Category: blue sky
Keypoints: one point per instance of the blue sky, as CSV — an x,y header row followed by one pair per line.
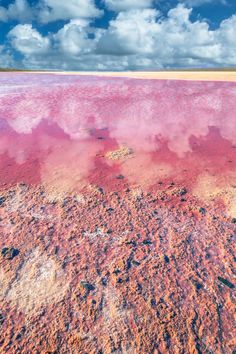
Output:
x,y
117,34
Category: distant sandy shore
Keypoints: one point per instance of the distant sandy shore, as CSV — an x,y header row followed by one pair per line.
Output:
x,y
158,75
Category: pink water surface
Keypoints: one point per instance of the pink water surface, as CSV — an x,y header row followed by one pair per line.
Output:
x,y
61,126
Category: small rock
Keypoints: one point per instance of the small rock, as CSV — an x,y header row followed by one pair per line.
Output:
x,y
21,333
135,263
182,191
67,326
120,177
202,211
2,319
147,242
2,200
117,271
226,282
198,286
109,210
101,190
166,259
87,286
129,264
153,303
10,252
104,281
132,243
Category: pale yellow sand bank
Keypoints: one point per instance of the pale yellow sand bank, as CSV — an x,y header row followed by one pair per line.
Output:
x,y
162,75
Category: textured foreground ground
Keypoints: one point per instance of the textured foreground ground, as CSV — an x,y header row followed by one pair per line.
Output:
x,y
117,216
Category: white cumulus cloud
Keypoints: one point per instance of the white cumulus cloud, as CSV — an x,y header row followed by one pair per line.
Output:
x,y
138,39
6,59
28,41
131,32
74,38
53,10
18,10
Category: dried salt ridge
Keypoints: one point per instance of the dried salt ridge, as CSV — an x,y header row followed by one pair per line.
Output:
x,y
117,217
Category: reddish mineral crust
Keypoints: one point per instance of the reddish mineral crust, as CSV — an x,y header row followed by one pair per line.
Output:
x,y
117,215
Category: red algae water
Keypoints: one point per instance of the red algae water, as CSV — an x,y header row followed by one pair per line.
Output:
x,y
117,215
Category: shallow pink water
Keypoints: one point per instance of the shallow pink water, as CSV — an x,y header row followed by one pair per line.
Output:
x,y
56,126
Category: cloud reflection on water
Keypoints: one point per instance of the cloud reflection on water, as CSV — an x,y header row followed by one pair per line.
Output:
x,y
52,117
